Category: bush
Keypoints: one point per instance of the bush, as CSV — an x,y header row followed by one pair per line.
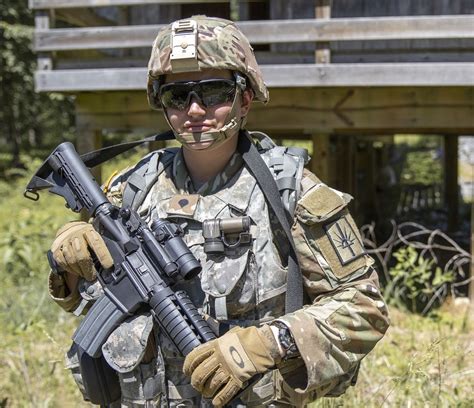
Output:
x,y
416,281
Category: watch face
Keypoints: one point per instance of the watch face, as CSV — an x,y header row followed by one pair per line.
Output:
x,y
286,340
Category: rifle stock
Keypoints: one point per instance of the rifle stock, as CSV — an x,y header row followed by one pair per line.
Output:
x,y
147,263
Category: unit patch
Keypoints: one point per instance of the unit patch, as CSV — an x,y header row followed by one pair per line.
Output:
x,y
183,205
344,240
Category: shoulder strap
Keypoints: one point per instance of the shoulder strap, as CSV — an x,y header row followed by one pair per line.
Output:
x,y
286,165
280,220
144,176
96,157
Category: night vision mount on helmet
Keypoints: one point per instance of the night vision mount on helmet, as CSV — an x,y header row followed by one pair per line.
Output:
x,y
201,43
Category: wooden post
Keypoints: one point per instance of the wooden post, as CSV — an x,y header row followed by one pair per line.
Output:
x,y
471,283
364,181
320,157
323,50
43,22
451,188
347,163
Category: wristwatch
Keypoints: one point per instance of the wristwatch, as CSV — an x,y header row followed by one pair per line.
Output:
x,y
286,340
54,265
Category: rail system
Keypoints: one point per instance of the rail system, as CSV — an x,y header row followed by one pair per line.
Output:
x,y
60,70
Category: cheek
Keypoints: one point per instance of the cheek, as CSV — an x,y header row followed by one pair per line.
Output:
x,y
175,117
220,112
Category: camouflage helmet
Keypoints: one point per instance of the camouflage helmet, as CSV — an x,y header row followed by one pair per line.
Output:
x,y
202,42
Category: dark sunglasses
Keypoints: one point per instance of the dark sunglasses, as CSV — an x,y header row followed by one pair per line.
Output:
x,y
208,92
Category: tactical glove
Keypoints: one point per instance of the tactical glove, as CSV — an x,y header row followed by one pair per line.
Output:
x,y
221,367
73,246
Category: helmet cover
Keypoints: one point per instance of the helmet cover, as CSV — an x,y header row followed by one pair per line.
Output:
x,y
199,43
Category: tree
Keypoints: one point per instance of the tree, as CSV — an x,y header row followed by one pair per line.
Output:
x,y
28,119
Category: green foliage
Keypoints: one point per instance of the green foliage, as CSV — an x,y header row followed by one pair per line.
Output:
x,y
422,164
421,362
422,168
27,119
35,332
415,280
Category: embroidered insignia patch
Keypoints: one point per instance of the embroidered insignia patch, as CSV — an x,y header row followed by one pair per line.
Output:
x,y
344,240
183,204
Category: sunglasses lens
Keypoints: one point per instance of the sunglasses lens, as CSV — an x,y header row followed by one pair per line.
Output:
x,y
174,96
209,92
216,92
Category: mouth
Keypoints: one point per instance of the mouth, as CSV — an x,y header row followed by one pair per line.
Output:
x,y
197,127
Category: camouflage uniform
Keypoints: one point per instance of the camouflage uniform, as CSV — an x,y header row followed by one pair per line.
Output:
x,y
343,320
344,316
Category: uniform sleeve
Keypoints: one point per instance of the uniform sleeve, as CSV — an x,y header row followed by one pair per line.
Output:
x,y
347,315
67,299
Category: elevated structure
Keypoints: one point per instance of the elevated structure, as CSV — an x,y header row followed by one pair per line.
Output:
x,y
338,73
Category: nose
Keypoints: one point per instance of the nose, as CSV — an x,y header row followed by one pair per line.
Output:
x,y
195,108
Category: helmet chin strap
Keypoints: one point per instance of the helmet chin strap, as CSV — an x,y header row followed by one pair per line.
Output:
x,y
231,125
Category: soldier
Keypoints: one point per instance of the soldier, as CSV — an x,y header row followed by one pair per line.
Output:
x,y
203,74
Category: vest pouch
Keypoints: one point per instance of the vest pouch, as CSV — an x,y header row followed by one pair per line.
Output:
x,y
126,345
321,203
230,282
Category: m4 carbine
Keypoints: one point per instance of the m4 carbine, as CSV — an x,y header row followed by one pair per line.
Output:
x,y
148,261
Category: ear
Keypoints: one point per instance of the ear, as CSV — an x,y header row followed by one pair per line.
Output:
x,y
247,98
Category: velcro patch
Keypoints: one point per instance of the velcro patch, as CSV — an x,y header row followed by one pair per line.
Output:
x,y
320,204
341,245
183,205
344,240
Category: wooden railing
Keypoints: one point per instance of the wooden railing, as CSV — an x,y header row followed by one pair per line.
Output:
x,y
271,32
56,4
114,73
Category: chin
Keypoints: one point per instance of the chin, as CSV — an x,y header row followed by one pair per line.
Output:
x,y
198,145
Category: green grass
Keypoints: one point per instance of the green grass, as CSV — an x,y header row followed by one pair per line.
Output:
x,y
421,361
35,332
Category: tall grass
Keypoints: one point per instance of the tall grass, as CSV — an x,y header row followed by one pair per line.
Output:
x,y
421,362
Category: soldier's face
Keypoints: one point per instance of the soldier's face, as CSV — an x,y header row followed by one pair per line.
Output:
x,y
196,117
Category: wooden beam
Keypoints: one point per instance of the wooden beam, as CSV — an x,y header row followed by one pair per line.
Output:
x,y
53,4
43,22
451,185
310,111
276,76
272,31
320,160
323,50
471,283
82,17
71,60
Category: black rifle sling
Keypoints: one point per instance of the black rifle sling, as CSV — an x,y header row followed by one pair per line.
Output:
x,y
100,156
279,219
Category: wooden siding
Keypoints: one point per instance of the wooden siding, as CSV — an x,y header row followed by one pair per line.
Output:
x,y
274,31
276,76
302,112
56,4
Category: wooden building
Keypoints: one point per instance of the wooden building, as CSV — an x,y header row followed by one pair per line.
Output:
x,y
341,73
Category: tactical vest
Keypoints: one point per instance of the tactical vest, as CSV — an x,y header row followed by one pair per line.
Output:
x,y
245,285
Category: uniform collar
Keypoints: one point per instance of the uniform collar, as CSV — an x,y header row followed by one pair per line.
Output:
x,y
185,185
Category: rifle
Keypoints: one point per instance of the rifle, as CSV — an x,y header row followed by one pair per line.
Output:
x,y
148,261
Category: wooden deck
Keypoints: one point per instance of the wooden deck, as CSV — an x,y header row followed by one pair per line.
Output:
x,y
334,71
